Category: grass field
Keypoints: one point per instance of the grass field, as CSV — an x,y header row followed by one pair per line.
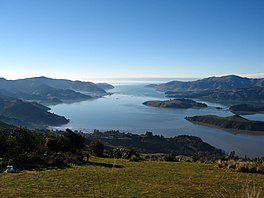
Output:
x,y
132,179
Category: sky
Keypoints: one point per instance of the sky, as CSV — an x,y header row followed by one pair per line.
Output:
x,y
88,39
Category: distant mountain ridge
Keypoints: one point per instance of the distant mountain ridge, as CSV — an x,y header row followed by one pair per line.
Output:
x,y
240,94
224,82
216,88
49,91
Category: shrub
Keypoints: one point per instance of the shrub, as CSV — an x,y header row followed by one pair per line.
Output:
x,y
242,166
169,158
115,153
134,158
129,153
56,161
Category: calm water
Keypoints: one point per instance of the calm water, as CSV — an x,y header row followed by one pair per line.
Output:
x,y
124,111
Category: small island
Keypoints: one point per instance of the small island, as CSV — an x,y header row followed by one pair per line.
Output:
x,y
175,103
234,122
247,109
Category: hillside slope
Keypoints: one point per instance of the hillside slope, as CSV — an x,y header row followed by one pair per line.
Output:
x,y
26,114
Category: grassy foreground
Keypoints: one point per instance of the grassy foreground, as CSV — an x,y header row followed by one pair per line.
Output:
x,y
134,179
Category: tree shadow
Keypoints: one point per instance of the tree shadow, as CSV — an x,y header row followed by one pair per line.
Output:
x,y
105,165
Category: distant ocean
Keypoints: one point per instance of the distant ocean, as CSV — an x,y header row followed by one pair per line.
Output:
x,y
130,81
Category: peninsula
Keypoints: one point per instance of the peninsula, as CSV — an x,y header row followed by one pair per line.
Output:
x,y
247,109
235,122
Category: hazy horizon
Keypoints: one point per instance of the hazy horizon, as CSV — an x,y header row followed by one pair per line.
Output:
x,y
135,80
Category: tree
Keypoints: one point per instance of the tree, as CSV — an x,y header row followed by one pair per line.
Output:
x,y
52,144
76,140
96,148
2,142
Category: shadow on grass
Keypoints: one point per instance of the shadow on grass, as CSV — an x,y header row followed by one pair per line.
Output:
x,y
105,165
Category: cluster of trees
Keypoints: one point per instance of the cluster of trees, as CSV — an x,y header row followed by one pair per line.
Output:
x,y
27,149
149,143
30,149
97,148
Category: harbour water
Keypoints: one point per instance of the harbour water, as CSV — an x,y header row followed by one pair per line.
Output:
x,y
123,110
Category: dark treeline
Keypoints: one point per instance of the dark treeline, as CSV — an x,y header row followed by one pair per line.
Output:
x,y
29,149
150,143
24,148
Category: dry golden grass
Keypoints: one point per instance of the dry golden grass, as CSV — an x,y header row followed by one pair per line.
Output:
x,y
242,166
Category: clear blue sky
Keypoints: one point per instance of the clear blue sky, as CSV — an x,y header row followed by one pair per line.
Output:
x,y
83,39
